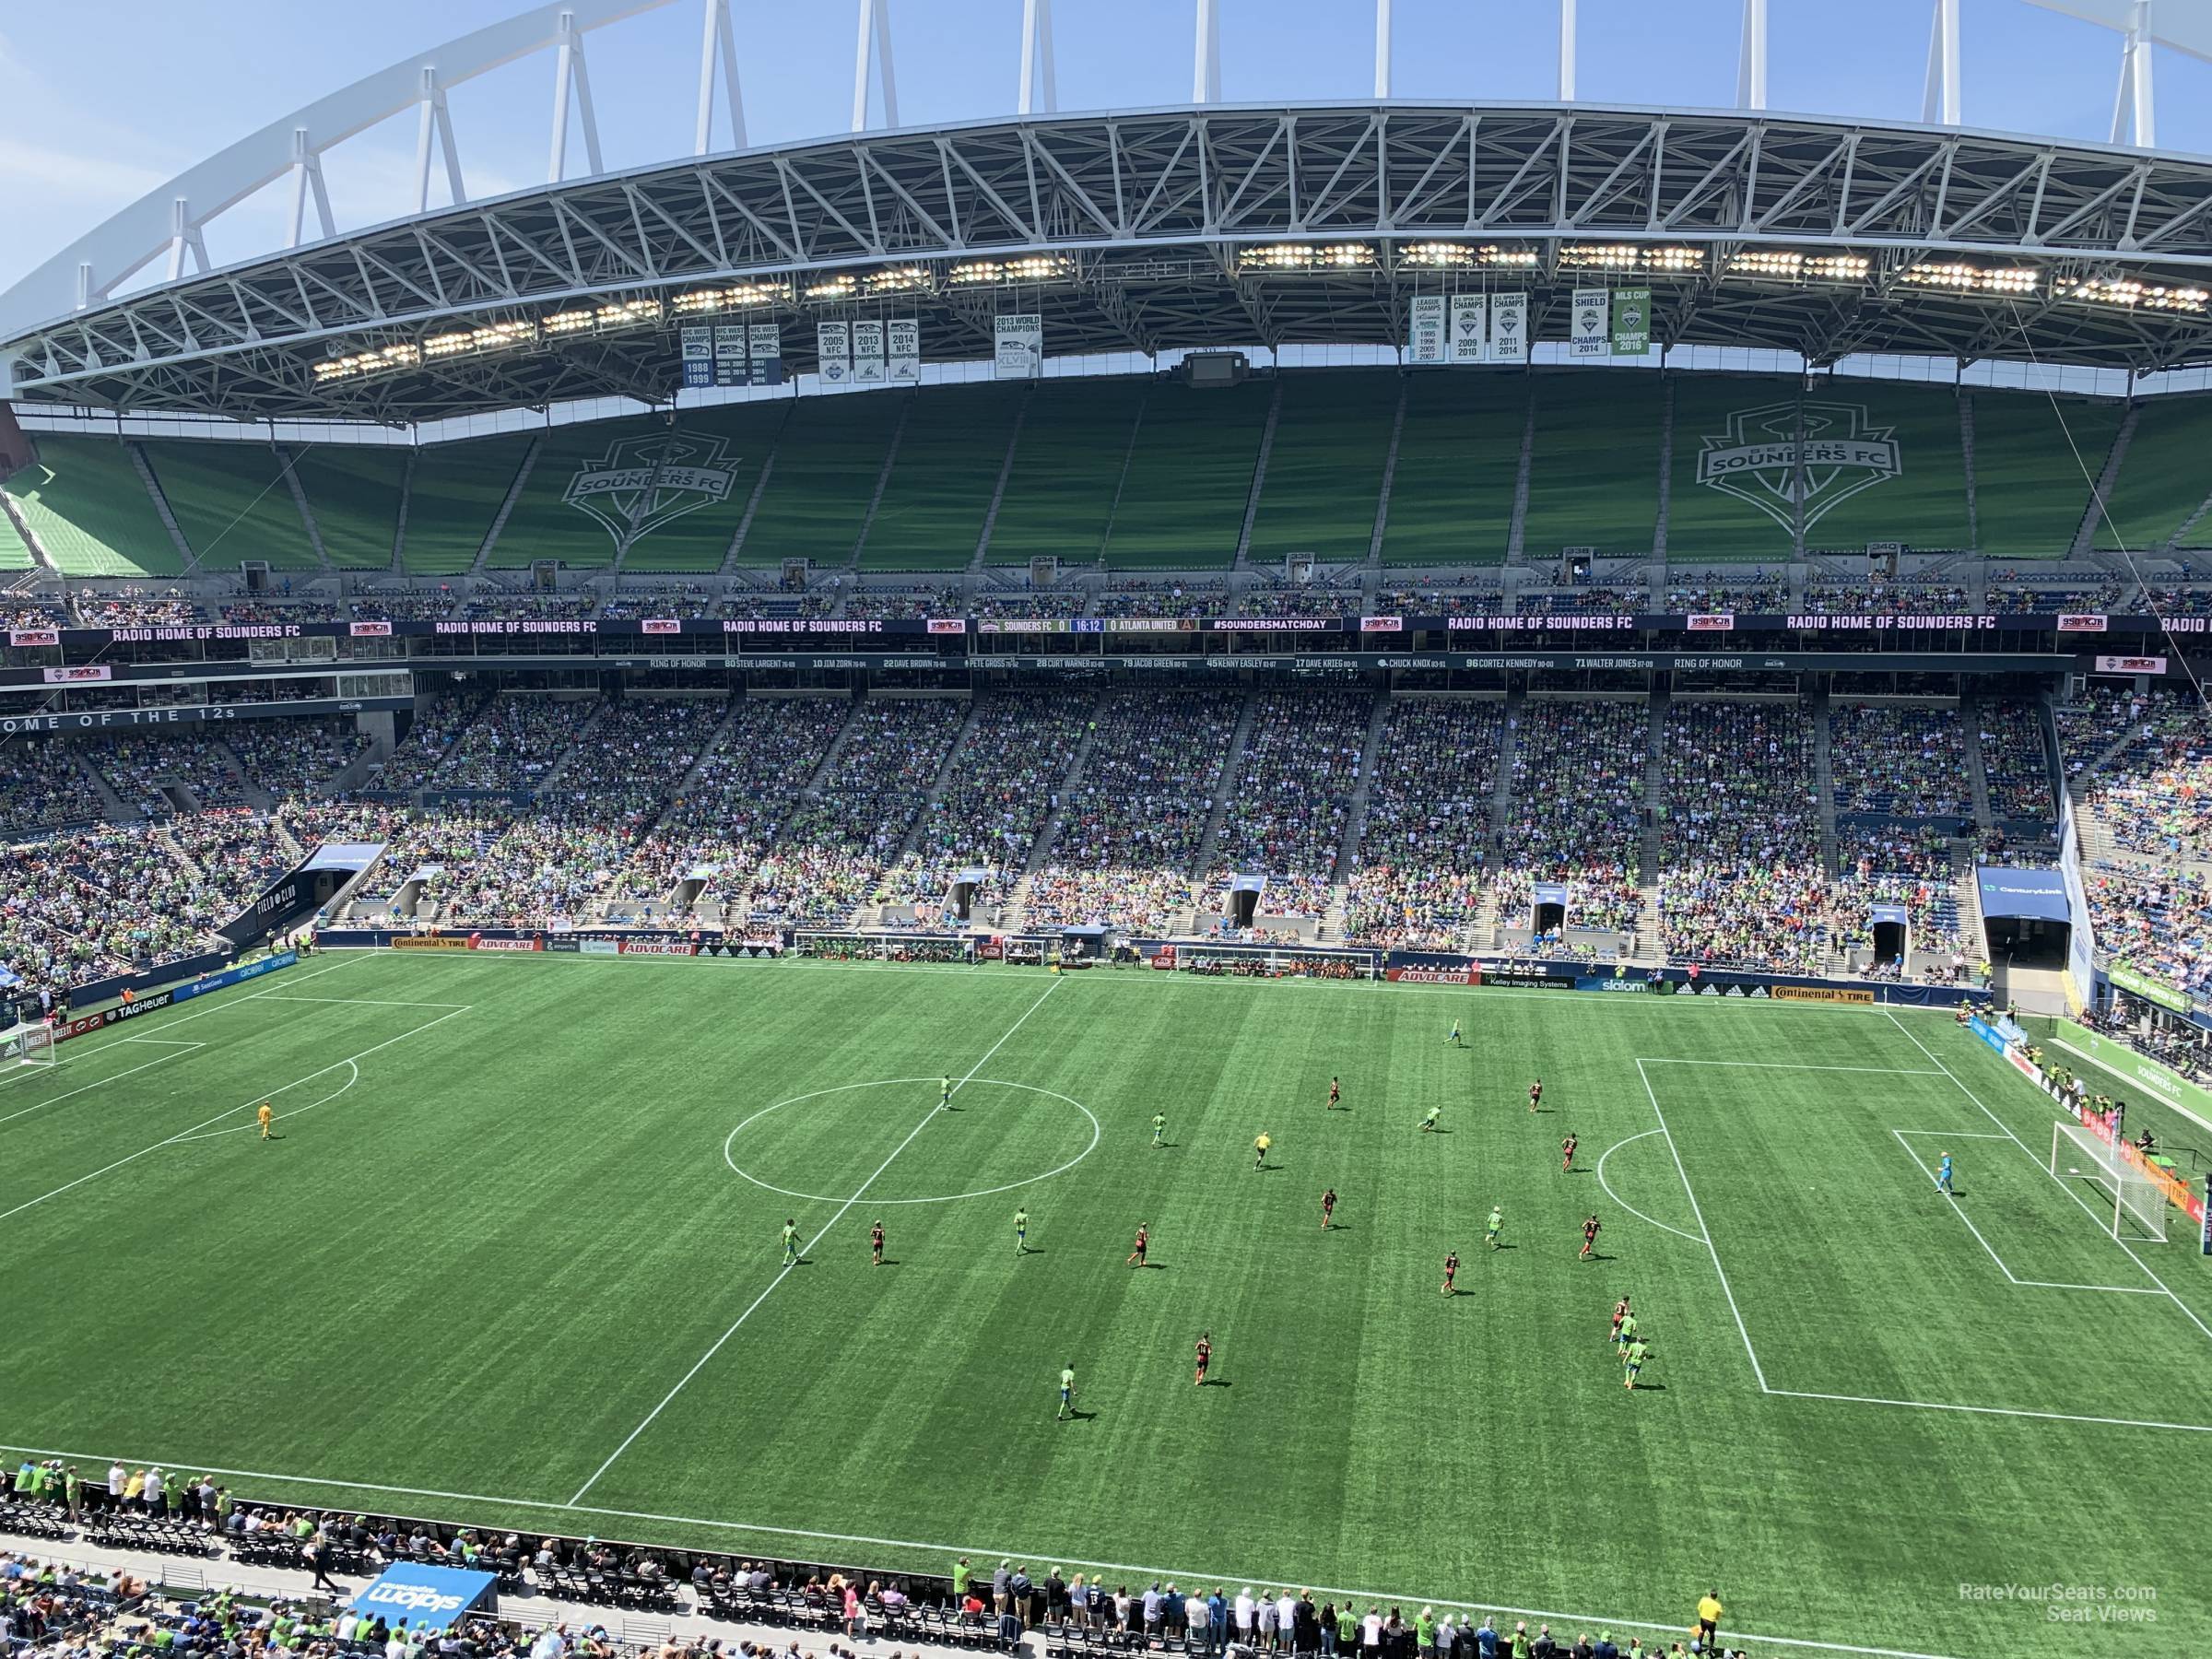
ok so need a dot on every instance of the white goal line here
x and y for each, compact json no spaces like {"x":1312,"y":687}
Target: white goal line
{"x":1959,"y":1210}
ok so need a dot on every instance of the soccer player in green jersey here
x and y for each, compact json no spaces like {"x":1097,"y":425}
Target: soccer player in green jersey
{"x":1497,"y":1221}
{"x":1632,"y":1361}
{"x":1624,"y":1332}
{"x":791,"y":1242}
{"x":945,"y":1094}
{"x":1021,"y":1232}
{"x":1429,"y":1122}
{"x":1067,"y":1393}
{"x":1454,"y":1039}
{"x":1159,"y":1127}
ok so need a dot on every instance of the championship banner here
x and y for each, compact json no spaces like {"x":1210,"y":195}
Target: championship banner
{"x":1631,"y":322}
{"x":904,"y":344}
{"x":697,"y":348}
{"x":1586,"y":333}
{"x":1017,"y":340}
{"x":764,"y":343}
{"x":1509,"y":329}
{"x":1425,"y":329}
{"x":867,"y":352}
{"x":729,"y":354}
{"x":834,"y":352}
{"x":1470,"y":327}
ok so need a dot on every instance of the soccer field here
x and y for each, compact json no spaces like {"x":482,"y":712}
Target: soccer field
{"x":514,"y":1258}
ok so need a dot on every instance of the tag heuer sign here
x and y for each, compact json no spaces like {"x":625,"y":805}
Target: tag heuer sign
{"x":681,"y":472}
{"x":1756,"y":460}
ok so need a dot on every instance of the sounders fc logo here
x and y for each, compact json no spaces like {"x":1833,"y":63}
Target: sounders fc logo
{"x":1755,"y":459}
{"x":650,"y":478}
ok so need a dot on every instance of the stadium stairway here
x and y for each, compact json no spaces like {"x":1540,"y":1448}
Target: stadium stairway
{"x":883,"y":480}
{"x":399,"y":525}
{"x":1666,"y":483}
{"x":1824,"y":780}
{"x":288,"y":463}
{"x":514,"y":494}
{"x":1355,"y":816}
{"x":1041,"y":850}
{"x":1977,"y":766}
{"x":954,"y":753}
{"x":1224,"y":780}
{"x":1005,"y":471}
{"x":144,"y":470}
{"x":1966,"y":454}
{"x":2093,"y":510}
{"x":1648,"y":936}
{"x":1390,"y":474}
{"x":1516,"y":532}
{"x":752,"y":505}
{"x":257,"y":795}
{"x":39,"y":555}
{"x":1259,"y":478}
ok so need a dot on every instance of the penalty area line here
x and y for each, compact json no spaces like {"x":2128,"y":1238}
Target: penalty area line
{"x":1490,"y":1605}
{"x":183,"y":1047}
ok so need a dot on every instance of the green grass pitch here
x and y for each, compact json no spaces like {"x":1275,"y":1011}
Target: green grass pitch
{"x":501,"y":1264}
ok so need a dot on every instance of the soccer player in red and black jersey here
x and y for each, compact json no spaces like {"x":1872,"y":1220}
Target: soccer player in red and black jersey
{"x":1206,"y":1355}
{"x":1143,"y":1239}
{"x":1567,"y":1149}
{"x":1589,"y":1238}
{"x":1535,"y":1094}
{"x":1451,"y":1272}
{"x":875,"y":1241}
{"x":1328,"y":1208}
{"x":1336,"y":1093}
{"x":1621,"y":1311}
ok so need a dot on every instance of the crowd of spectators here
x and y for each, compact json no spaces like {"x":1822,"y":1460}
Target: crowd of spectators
{"x":634,"y":753}
{"x":1772,"y":917}
{"x":513,"y":744}
{"x":1173,"y":602}
{"x":2155,"y":795}
{"x":1576,"y":816}
{"x":1007,"y":605}
{"x":1885,"y":599}
{"x":1900,"y":762}
{"x":684,"y":601}
{"x":403,"y":604}
{"x":905,"y":604}
{"x":755,"y":605}
{"x":1424,"y":846}
{"x":2155,"y":920}
{"x":1004,"y":785}
{"x":134,"y":608}
{"x":1131,"y":830}
{"x":285,"y":609}
{"x":1283,"y":815}
{"x":1712,"y":590}
{"x":43,"y":784}
{"x":493,"y":606}
{"x":848,"y":828}
{"x":295,"y":756}
{"x":2010,"y":596}
{"x":435,"y":728}
{"x":1299,"y":599}
{"x":2175,"y":599}
{"x":18,"y":612}
{"x":2015,"y":763}
{"x":1444,"y":599}
{"x":1582,"y":601}
{"x":542,"y":872}
{"x":138,"y":766}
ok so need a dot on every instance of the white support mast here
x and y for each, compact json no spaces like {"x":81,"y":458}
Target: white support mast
{"x":307,"y":180}
{"x":874,"y":45}
{"x":1205,"y":59}
{"x":1567,"y":33}
{"x":2134,"y":114}
{"x":1382,"y":48}
{"x":1939,"y":98}
{"x":571,"y":77}
{"x":435,"y":124}
{"x":718,"y":45}
{"x":1751,"y":65}
{"x":1039,"y":86}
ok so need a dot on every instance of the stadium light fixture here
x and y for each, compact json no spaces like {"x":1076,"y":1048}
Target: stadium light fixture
{"x":900,"y":280}
{"x":356,"y":364}
{"x":1629,"y":256}
{"x":1307,"y":256}
{"x":742,"y":296}
{"x":836,"y":287}
{"x":1039,"y":267}
{"x":2139,"y":296}
{"x":1972,"y":279}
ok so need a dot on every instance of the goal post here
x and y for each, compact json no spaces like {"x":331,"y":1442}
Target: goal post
{"x":2137,"y":1203}
{"x":28,"y":1045}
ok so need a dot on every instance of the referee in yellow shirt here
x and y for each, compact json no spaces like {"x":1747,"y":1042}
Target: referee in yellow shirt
{"x":1259,"y":1149}
{"x":1709,"y":1619}
{"x":264,"y":1116}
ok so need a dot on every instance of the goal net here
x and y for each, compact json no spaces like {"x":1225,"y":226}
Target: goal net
{"x":27,"y":1045}
{"x":2138,"y":1207}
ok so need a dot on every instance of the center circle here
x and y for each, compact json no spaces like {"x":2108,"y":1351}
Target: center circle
{"x":729,"y":1141}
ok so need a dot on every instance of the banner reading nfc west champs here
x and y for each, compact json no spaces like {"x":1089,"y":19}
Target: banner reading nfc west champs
{"x":766,"y":366}
{"x":1019,"y":340}
{"x":1470,"y":327}
{"x":1425,"y":329}
{"x":1631,"y":322}
{"x":1586,"y":333}
{"x":834,"y":352}
{"x":729,"y":354}
{"x":903,"y":338}
{"x":697,"y":356}
{"x":1509,"y":328}
{"x":867,"y":352}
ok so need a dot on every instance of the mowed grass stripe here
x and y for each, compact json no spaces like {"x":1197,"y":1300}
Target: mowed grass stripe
{"x":486,"y":1269}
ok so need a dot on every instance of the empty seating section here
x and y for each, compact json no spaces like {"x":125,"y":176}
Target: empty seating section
{"x":2164,"y":477}
{"x":90,"y":510}
{"x":1593,"y":464}
{"x":457,"y":492}
{"x":1423,"y":848}
{"x":1324,"y":471}
{"x":931,"y":515}
{"x":1004,"y":786}
{"x":1190,"y":476}
{"x":1284,"y":816}
{"x":1458,"y":454}
{"x":1067,"y":464}
{"x":2014,"y":764}
{"x":828,"y":460}
{"x":354,"y":494}
{"x":1899,"y":761}
{"x":233,"y":501}
{"x":1132,"y":827}
{"x":692,"y":521}
{"x":1922,"y":504}
{"x":1751,"y":518}
{"x":2033,"y":467}
{"x":842,"y":835}
{"x":567,"y":510}
{"x":1577,"y":810}
{"x":15,"y":552}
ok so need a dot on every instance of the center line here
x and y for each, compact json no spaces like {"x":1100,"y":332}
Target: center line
{"x":784,"y":1272}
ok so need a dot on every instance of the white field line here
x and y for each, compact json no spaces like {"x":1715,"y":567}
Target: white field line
{"x":1959,"y":1210}
{"x":375,"y":1002}
{"x":217,"y":1006}
{"x":2028,"y":1152}
{"x":182,"y":1135}
{"x":1874,"y":1071}
{"x":784,"y":1272}
{"x":1624,"y":1204}
{"x":2004,"y":1411}
{"x":1650,"y":1093}
{"x":183,"y":1047}
{"x":1489,"y":1605}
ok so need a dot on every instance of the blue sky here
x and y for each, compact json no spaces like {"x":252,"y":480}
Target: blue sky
{"x":94,"y":113}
